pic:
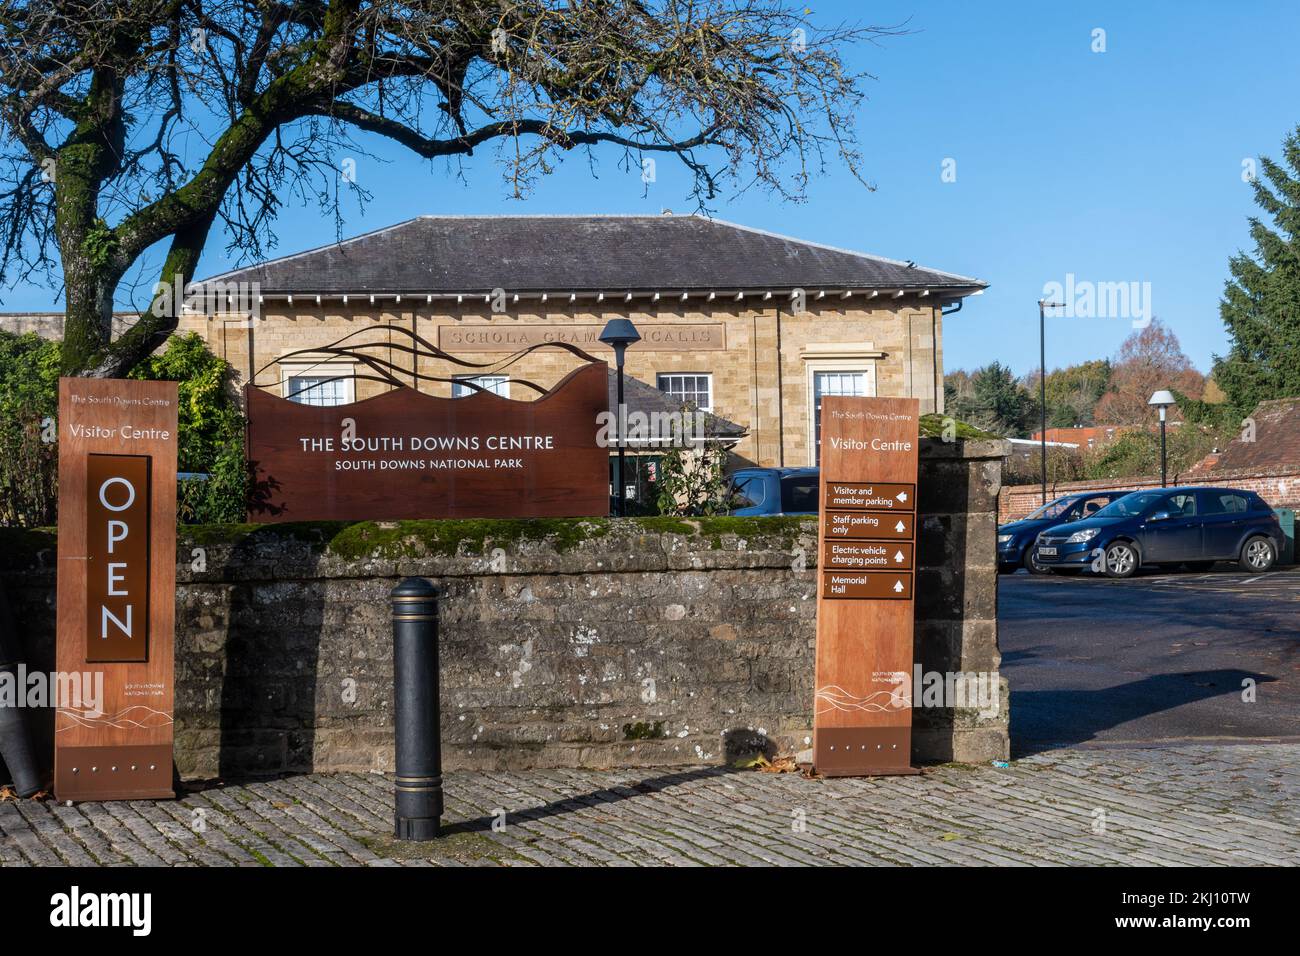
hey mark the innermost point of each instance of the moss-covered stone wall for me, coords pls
(593, 642)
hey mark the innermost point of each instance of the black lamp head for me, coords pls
(620, 333)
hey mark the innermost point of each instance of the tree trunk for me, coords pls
(88, 317)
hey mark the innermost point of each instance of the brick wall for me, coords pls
(637, 642)
(1280, 487)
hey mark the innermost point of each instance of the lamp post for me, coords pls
(619, 334)
(1043, 306)
(1162, 400)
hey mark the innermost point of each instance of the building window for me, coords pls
(689, 387)
(852, 382)
(496, 384)
(320, 389)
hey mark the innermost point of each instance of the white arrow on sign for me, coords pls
(898, 556)
(900, 527)
(901, 496)
(898, 586)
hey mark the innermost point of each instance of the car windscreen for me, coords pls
(747, 491)
(1052, 509)
(1130, 506)
(799, 494)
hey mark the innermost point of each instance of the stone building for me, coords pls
(752, 326)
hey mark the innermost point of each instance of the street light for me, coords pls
(1162, 400)
(619, 334)
(1043, 306)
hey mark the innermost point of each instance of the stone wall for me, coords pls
(49, 325)
(598, 643)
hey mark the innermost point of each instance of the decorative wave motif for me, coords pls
(839, 699)
(124, 718)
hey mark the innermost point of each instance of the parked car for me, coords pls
(1168, 526)
(774, 491)
(1016, 538)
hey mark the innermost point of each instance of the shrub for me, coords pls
(29, 405)
(1136, 453)
(211, 429)
(693, 481)
(210, 439)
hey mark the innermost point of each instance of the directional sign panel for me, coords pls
(868, 555)
(869, 524)
(863, 709)
(877, 585)
(876, 497)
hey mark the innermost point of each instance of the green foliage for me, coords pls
(693, 481)
(1261, 302)
(99, 244)
(29, 388)
(211, 429)
(1024, 466)
(211, 432)
(949, 429)
(1220, 416)
(1135, 453)
(1073, 393)
(416, 538)
(991, 399)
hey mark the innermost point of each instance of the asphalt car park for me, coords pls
(1162, 658)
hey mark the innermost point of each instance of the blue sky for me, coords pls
(1122, 166)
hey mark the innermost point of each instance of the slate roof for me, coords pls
(639, 396)
(1277, 439)
(476, 254)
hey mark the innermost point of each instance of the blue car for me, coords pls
(1168, 526)
(1016, 538)
(774, 491)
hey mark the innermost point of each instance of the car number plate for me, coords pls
(1047, 551)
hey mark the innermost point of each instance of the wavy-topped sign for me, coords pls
(405, 454)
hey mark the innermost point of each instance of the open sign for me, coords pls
(117, 558)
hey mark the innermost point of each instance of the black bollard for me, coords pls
(415, 705)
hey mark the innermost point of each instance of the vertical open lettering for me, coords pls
(117, 558)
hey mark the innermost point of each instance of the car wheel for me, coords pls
(1032, 564)
(1258, 554)
(1121, 560)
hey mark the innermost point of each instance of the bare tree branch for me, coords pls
(129, 124)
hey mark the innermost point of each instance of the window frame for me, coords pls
(342, 372)
(707, 376)
(498, 380)
(1219, 495)
(864, 366)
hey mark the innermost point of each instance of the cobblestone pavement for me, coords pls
(1192, 805)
